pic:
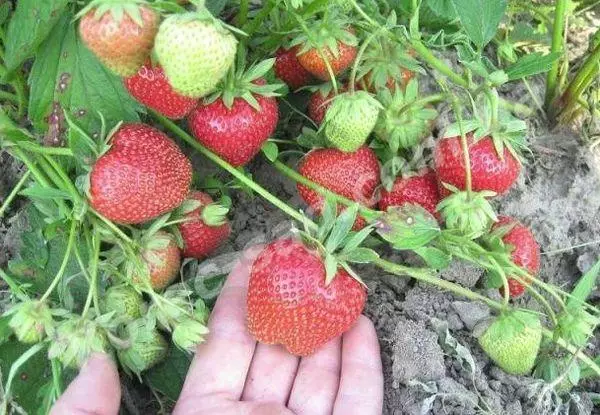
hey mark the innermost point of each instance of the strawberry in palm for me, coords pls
(120, 34)
(140, 177)
(420, 189)
(288, 68)
(151, 88)
(490, 170)
(355, 176)
(523, 248)
(196, 51)
(238, 119)
(330, 42)
(207, 229)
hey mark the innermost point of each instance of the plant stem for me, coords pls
(437, 64)
(14, 286)
(49, 151)
(295, 214)
(359, 57)
(464, 143)
(557, 46)
(57, 377)
(363, 14)
(112, 226)
(13, 194)
(242, 16)
(93, 282)
(65, 262)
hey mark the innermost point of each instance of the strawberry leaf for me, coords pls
(342, 227)
(168, 376)
(480, 18)
(433, 257)
(270, 150)
(531, 64)
(361, 256)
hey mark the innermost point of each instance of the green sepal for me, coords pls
(118, 9)
(470, 214)
(214, 214)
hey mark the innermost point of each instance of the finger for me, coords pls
(271, 375)
(221, 363)
(96, 390)
(316, 383)
(361, 381)
(219, 407)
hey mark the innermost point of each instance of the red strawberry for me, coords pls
(142, 176)
(150, 87)
(524, 250)
(200, 238)
(288, 68)
(161, 256)
(238, 132)
(352, 175)
(488, 170)
(314, 55)
(116, 36)
(289, 304)
(421, 189)
(320, 101)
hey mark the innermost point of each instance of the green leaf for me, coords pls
(433, 257)
(342, 227)
(30, 25)
(67, 76)
(531, 64)
(5, 330)
(215, 6)
(361, 256)
(480, 18)
(442, 8)
(584, 288)
(39, 192)
(33, 375)
(168, 376)
(409, 226)
(270, 150)
(5, 9)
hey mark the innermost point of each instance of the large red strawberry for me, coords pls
(329, 43)
(489, 171)
(150, 87)
(206, 232)
(524, 250)
(142, 176)
(289, 303)
(121, 34)
(288, 68)
(420, 189)
(352, 175)
(241, 119)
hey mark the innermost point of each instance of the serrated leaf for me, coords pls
(433, 257)
(480, 18)
(361, 256)
(29, 26)
(270, 150)
(531, 64)
(67, 74)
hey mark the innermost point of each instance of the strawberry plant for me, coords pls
(143, 128)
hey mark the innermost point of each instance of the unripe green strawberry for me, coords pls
(31, 321)
(76, 339)
(350, 119)
(125, 301)
(512, 341)
(195, 51)
(470, 214)
(147, 347)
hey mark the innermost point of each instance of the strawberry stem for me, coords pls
(360, 54)
(15, 191)
(464, 145)
(65, 262)
(560, 16)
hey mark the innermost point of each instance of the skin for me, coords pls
(231, 374)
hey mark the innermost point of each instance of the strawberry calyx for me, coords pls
(406, 119)
(245, 84)
(468, 213)
(118, 9)
(325, 34)
(214, 214)
(337, 244)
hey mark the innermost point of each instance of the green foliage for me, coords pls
(480, 18)
(32, 21)
(168, 376)
(67, 73)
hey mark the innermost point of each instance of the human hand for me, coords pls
(231, 374)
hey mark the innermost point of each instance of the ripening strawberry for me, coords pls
(524, 250)
(120, 34)
(125, 301)
(206, 232)
(420, 189)
(151, 88)
(236, 130)
(332, 44)
(352, 175)
(195, 51)
(350, 120)
(162, 259)
(288, 68)
(289, 303)
(512, 341)
(488, 170)
(142, 176)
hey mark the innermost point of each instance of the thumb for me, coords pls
(96, 390)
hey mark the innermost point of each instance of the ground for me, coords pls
(558, 195)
